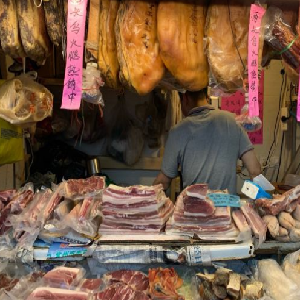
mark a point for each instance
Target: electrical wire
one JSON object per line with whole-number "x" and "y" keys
{"x": 280, "y": 155}
{"x": 277, "y": 123}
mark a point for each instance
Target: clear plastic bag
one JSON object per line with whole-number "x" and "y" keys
{"x": 291, "y": 267}
{"x": 276, "y": 283}
{"x": 63, "y": 277}
{"x": 250, "y": 124}
{"x": 91, "y": 83}
{"x": 81, "y": 219}
{"x": 23, "y": 101}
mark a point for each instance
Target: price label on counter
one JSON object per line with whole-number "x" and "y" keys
{"x": 224, "y": 200}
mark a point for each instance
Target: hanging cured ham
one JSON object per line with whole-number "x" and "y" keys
{"x": 9, "y": 31}
{"x": 227, "y": 42}
{"x": 92, "y": 42}
{"x": 32, "y": 26}
{"x": 54, "y": 21}
{"x": 141, "y": 66}
{"x": 107, "y": 54}
{"x": 180, "y": 30}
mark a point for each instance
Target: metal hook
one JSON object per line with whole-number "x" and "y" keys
{"x": 41, "y": 1}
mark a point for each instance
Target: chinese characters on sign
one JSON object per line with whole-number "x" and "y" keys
{"x": 75, "y": 45}
{"x": 235, "y": 103}
{"x": 256, "y": 14}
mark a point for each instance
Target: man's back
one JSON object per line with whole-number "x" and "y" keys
{"x": 207, "y": 145}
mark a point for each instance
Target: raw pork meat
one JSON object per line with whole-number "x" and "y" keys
{"x": 136, "y": 280}
{"x": 242, "y": 224}
{"x": 281, "y": 203}
{"x": 121, "y": 291}
{"x": 78, "y": 188}
{"x": 209, "y": 226}
{"x": 93, "y": 285}
{"x": 21, "y": 199}
{"x": 62, "y": 277}
{"x": 197, "y": 191}
{"x": 135, "y": 210}
{"x": 196, "y": 207}
{"x": 46, "y": 293}
{"x": 7, "y": 195}
{"x": 257, "y": 224}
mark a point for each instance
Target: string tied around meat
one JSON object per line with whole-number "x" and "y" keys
{"x": 287, "y": 47}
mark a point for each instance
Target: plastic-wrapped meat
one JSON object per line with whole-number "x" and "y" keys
{"x": 7, "y": 195}
{"x": 7, "y": 283}
{"x": 30, "y": 218}
{"x": 62, "y": 277}
{"x": 63, "y": 209}
{"x": 53, "y": 202}
{"x": 135, "y": 279}
{"x": 78, "y": 188}
{"x": 121, "y": 291}
{"x": 46, "y": 293}
{"x": 22, "y": 198}
{"x": 257, "y": 224}
{"x": 85, "y": 209}
{"x": 91, "y": 285}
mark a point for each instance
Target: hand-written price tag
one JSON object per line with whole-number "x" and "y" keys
{"x": 224, "y": 200}
{"x": 256, "y": 14}
{"x": 75, "y": 44}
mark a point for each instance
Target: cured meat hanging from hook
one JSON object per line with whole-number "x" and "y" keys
{"x": 141, "y": 66}
{"x": 32, "y": 26}
{"x": 107, "y": 50}
{"x": 227, "y": 42}
{"x": 54, "y": 20}
{"x": 9, "y": 30}
{"x": 180, "y": 30}
{"x": 92, "y": 41}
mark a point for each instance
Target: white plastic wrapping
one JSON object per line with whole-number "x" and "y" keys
{"x": 276, "y": 283}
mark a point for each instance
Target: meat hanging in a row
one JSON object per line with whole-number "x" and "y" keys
{"x": 27, "y": 30}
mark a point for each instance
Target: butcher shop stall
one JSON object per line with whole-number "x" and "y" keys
{"x": 89, "y": 92}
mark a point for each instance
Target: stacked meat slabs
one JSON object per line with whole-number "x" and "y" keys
{"x": 196, "y": 216}
{"x": 135, "y": 210}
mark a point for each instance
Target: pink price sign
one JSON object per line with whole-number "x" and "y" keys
{"x": 256, "y": 14}
{"x": 75, "y": 43}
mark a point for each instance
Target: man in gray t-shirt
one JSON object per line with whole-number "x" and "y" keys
{"x": 206, "y": 145}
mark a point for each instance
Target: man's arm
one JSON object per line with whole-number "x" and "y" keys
{"x": 163, "y": 179}
{"x": 252, "y": 164}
